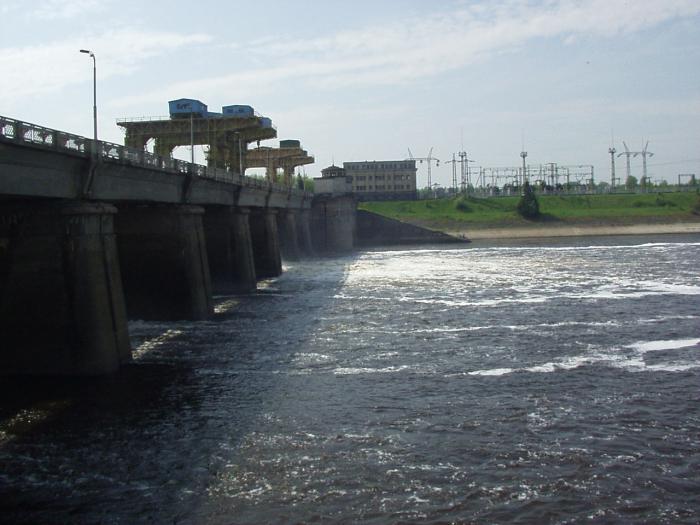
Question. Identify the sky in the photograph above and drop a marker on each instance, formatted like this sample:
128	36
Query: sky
369	80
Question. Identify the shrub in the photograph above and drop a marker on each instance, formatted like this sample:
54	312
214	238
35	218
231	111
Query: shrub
528	207
661	202
696	207
463	206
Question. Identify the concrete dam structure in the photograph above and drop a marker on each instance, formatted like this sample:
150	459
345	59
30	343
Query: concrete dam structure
94	233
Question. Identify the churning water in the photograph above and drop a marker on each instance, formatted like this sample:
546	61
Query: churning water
550	383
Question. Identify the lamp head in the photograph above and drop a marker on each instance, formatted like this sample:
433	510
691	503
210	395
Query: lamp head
88	52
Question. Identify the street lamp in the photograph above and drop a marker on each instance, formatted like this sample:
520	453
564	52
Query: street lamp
94	93
240	154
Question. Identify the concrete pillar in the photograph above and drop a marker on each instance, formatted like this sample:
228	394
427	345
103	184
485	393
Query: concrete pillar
163	148
229	250
218	155
333	224
61	302
163	256
265	240
243	260
271	172
289	237
135	140
304	232
288	175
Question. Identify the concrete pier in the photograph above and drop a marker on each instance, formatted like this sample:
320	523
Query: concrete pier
244	277
266	245
333	224
229	249
304	233
61	302
91	236
289	237
162	251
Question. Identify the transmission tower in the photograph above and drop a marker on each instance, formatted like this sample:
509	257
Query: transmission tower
644	153
429	159
627	153
454	172
464	166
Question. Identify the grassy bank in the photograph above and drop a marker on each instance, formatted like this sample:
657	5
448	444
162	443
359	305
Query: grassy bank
556	210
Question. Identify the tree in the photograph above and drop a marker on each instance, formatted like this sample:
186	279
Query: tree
528	207
308	184
631	182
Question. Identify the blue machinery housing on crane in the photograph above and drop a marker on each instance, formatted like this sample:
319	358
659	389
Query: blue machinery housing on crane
189	123
188	107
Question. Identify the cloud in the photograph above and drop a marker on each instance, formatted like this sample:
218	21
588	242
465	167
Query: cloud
53	9
414	48
49	67
61	9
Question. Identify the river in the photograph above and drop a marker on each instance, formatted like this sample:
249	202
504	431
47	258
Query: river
530	382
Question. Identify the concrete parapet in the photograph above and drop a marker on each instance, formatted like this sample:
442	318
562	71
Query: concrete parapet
61	301
266	245
164	263
333	223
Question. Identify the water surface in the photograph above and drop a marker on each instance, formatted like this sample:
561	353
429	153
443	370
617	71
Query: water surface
556	382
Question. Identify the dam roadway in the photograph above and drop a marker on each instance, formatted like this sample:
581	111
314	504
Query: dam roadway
94	233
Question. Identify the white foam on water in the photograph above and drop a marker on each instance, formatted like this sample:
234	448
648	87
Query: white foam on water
667	318
583	248
488	302
670	288
527	327
655	346
346	371
613	357
492	372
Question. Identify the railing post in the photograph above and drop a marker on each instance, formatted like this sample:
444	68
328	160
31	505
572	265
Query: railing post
19	131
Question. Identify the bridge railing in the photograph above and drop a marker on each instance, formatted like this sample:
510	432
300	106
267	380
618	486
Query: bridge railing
24	132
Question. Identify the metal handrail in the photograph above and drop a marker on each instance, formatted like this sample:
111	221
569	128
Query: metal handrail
142	118
24	132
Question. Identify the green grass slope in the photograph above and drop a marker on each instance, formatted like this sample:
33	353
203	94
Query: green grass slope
501	211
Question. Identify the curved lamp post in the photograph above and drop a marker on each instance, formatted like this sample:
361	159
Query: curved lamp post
94	93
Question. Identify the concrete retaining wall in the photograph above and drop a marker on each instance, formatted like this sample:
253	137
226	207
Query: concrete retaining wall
377	230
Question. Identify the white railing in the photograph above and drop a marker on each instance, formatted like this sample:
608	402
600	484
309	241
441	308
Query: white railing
23	132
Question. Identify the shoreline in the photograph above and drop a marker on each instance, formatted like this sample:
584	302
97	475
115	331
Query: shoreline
579	230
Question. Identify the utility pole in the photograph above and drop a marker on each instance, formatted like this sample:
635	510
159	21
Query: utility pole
612	152
523	154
